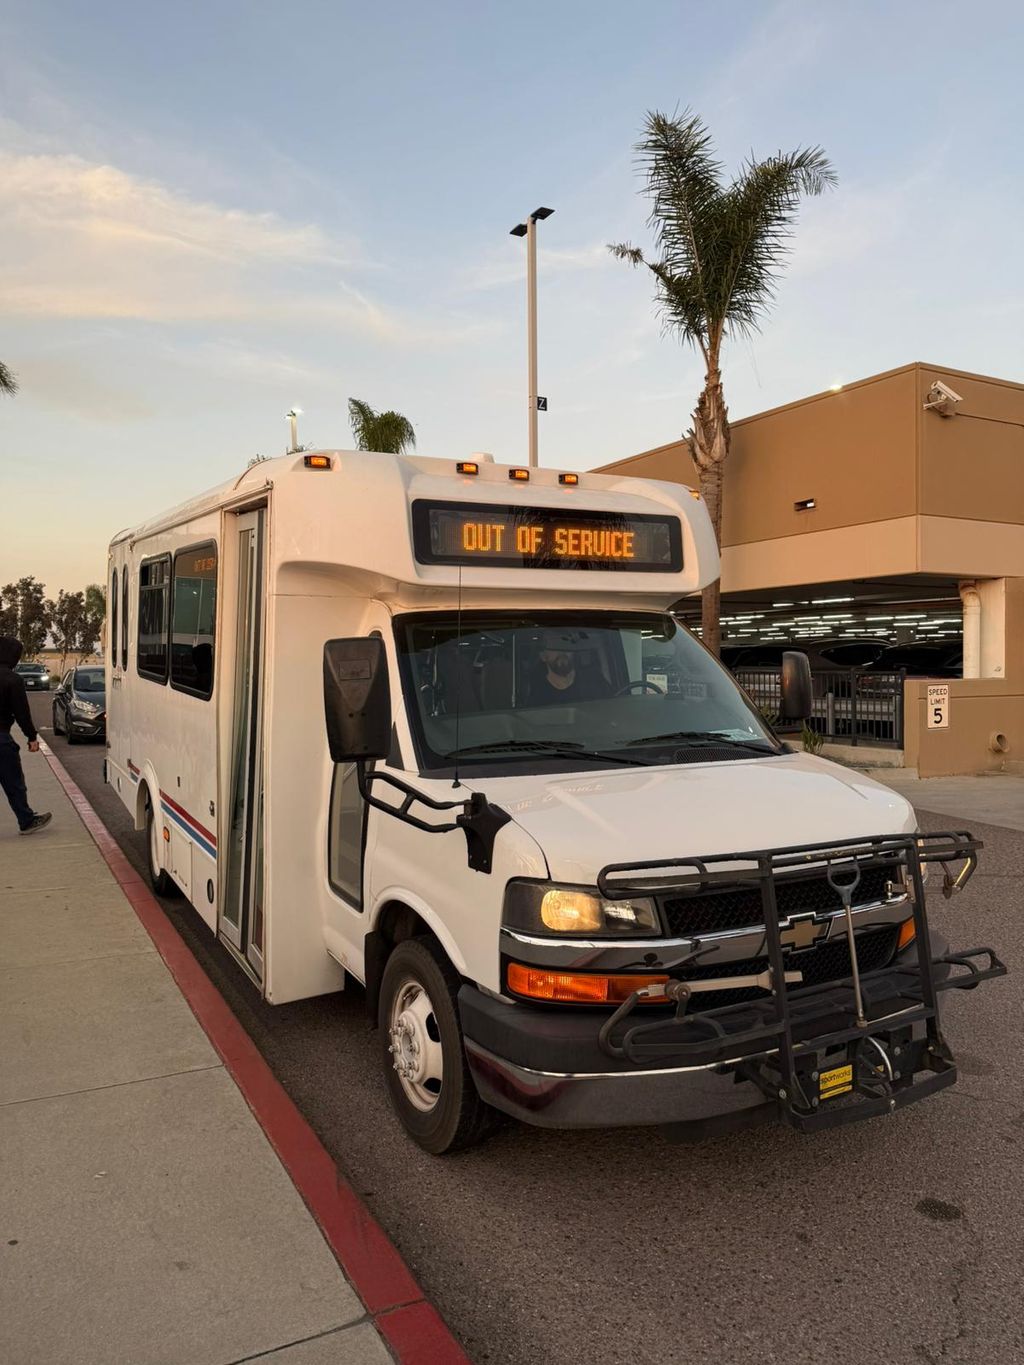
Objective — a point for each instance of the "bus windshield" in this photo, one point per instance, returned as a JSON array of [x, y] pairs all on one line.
[[497, 687]]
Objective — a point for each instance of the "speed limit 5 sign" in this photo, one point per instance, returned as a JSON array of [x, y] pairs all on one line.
[[938, 706]]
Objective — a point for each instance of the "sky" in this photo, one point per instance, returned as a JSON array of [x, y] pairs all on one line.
[[216, 210]]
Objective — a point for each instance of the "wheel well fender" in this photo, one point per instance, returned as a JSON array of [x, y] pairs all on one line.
[[394, 921], [148, 791]]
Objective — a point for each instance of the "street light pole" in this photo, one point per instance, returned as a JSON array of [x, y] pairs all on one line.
[[529, 231]]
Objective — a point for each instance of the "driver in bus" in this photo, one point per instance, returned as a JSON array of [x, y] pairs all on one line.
[[561, 675]]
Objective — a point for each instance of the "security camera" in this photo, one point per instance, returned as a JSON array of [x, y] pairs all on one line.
[[941, 399]]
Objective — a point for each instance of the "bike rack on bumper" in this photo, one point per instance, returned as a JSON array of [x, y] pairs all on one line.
[[822, 1055]]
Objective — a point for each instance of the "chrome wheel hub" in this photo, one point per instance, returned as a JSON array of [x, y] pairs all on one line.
[[415, 1045]]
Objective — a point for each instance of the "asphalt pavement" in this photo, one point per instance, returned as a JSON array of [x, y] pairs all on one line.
[[898, 1240]]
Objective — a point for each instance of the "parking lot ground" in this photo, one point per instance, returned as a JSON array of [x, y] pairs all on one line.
[[145, 1216], [995, 799], [897, 1240]]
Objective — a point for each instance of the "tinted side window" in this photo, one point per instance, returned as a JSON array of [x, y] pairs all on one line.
[[193, 619], [124, 619], [151, 655], [113, 619]]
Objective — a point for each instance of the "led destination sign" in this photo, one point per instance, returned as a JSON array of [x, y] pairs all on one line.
[[545, 538]]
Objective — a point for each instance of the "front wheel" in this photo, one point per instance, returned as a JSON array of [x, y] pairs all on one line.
[[421, 1049], [56, 727]]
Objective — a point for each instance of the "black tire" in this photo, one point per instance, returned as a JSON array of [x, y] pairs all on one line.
[[70, 732], [458, 1118], [160, 880], [56, 728]]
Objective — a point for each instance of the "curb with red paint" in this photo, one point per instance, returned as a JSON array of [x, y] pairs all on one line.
[[412, 1326]]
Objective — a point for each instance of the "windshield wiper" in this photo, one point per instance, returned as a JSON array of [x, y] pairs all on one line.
[[557, 748], [699, 739]]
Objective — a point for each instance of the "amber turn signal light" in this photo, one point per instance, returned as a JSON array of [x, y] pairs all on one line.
[[908, 932], [317, 461], [576, 988]]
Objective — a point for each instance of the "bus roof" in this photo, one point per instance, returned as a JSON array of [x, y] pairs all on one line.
[[356, 508]]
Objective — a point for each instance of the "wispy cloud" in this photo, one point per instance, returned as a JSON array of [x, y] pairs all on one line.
[[496, 271], [90, 241]]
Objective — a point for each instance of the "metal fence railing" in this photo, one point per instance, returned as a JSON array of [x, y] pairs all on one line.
[[850, 705]]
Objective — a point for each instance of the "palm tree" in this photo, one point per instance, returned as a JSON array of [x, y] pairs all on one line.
[[389, 432], [720, 247], [8, 383]]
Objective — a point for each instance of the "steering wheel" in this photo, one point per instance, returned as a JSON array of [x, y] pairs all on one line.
[[643, 684]]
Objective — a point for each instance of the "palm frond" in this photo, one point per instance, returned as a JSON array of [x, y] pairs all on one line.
[[622, 251], [8, 383], [683, 181], [361, 418], [758, 215], [395, 434], [388, 432]]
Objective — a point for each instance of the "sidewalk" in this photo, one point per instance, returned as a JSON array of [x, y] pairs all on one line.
[[145, 1218], [996, 799]]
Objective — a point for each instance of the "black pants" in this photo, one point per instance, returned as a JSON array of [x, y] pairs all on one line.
[[12, 779]]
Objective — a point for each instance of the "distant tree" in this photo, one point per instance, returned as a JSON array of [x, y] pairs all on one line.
[[68, 624], [720, 249], [92, 623], [389, 432], [24, 614], [8, 383]]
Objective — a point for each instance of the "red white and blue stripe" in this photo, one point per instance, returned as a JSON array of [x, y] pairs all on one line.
[[189, 824]]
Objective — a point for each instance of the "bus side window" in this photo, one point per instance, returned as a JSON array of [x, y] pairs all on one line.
[[124, 621], [151, 637], [345, 835], [113, 619], [193, 620]]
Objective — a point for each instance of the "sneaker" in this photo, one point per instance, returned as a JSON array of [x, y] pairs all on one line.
[[38, 822]]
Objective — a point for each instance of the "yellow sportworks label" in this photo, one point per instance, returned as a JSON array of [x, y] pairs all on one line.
[[835, 1082]]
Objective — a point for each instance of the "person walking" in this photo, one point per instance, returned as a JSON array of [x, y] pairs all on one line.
[[14, 707]]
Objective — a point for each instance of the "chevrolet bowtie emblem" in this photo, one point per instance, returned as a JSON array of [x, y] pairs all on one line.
[[802, 931]]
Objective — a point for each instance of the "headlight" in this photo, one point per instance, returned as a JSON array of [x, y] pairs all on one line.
[[85, 708], [540, 907]]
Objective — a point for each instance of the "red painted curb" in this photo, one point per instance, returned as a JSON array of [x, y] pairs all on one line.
[[412, 1327]]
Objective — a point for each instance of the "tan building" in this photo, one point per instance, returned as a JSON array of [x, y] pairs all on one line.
[[892, 507]]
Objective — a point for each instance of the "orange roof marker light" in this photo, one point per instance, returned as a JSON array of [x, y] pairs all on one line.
[[570, 480], [577, 988], [694, 494], [317, 461], [519, 475], [467, 467]]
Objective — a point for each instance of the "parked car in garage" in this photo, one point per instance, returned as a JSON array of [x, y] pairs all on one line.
[[80, 705], [822, 654], [923, 659], [36, 677]]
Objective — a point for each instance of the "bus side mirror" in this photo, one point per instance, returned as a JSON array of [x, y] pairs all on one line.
[[796, 685], [357, 699]]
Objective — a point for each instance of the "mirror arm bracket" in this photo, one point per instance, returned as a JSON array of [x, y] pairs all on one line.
[[478, 819]]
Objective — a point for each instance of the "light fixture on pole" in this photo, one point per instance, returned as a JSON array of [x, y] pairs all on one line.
[[293, 417], [534, 402]]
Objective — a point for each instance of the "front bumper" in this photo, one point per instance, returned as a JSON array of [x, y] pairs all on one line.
[[88, 727], [546, 1067]]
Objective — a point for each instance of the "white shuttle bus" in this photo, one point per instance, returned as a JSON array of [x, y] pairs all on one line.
[[430, 725]]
